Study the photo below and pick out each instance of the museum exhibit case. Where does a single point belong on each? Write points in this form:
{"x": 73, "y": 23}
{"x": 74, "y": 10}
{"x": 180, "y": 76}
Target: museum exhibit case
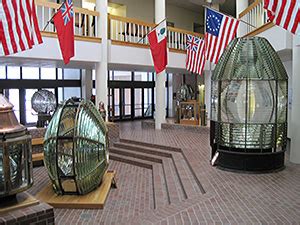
{"x": 76, "y": 148}
{"x": 249, "y": 107}
{"x": 15, "y": 153}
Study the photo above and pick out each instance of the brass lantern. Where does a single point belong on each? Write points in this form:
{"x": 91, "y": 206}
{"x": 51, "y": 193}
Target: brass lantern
{"x": 15, "y": 152}
{"x": 249, "y": 107}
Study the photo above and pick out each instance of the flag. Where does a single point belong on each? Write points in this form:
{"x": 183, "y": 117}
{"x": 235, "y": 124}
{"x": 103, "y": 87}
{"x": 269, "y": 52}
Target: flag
{"x": 64, "y": 23}
{"x": 158, "y": 46}
{"x": 19, "y": 29}
{"x": 220, "y": 30}
{"x": 195, "y": 54}
{"x": 285, "y": 13}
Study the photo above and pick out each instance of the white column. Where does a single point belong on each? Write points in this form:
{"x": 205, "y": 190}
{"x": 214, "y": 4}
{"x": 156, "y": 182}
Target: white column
{"x": 295, "y": 121}
{"x": 101, "y": 68}
{"x": 241, "y": 5}
{"x": 160, "y": 105}
{"x": 86, "y": 84}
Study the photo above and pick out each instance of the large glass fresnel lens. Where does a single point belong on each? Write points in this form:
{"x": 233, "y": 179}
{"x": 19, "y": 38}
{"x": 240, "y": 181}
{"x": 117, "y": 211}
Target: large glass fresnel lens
{"x": 249, "y": 107}
{"x": 15, "y": 152}
{"x": 76, "y": 148}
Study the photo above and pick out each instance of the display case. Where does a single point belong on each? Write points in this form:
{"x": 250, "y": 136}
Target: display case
{"x": 188, "y": 112}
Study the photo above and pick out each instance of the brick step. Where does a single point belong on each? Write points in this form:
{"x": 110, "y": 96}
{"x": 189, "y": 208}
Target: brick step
{"x": 187, "y": 180}
{"x": 130, "y": 160}
{"x": 144, "y": 149}
{"x": 151, "y": 145}
{"x": 135, "y": 155}
{"x": 160, "y": 189}
{"x": 175, "y": 188}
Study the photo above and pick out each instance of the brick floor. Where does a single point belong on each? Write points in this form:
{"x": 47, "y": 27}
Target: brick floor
{"x": 229, "y": 198}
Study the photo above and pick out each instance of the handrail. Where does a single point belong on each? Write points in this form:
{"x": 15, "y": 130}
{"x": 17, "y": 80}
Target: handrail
{"x": 53, "y": 5}
{"x": 130, "y": 20}
{"x": 255, "y": 17}
{"x": 249, "y": 8}
{"x": 128, "y": 31}
{"x": 85, "y": 21}
{"x": 174, "y": 29}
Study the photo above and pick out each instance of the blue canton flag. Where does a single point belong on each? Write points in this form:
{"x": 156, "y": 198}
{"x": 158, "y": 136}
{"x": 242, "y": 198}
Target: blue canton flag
{"x": 195, "y": 59}
{"x": 220, "y": 30}
{"x": 67, "y": 11}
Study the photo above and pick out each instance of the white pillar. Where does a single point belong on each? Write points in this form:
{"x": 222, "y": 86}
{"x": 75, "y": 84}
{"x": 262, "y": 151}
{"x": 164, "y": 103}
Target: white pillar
{"x": 86, "y": 84}
{"x": 101, "y": 68}
{"x": 160, "y": 105}
{"x": 241, "y": 5}
{"x": 295, "y": 122}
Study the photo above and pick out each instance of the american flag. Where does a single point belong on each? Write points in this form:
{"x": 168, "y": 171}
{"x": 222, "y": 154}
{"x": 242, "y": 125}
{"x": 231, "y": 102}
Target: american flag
{"x": 19, "y": 28}
{"x": 220, "y": 30}
{"x": 284, "y": 13}
{"x": 195, "y": 49}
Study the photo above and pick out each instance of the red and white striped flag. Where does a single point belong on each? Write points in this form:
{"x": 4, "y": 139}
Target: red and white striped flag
{"x": 195, "y": 54}
{"x": 19, "y": 28}
{"x": 220, "y": 30}
{"x": 284, "y": 13}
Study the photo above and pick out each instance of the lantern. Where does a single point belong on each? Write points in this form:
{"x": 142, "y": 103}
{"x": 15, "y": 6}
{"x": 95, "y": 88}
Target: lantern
{"x": 76, "y": 148}
{"x": 15, "y": 152}
{"x": 249, "y": 107}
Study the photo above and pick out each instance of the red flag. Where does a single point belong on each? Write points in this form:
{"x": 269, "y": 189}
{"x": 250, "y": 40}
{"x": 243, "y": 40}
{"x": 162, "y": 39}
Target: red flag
{"x": 158, "y": 46}
{"x": 64, "y": 23}
{"x": 195, "y": 54}
{"x": 19, "y": 29}
{"x": 284, "y": 13}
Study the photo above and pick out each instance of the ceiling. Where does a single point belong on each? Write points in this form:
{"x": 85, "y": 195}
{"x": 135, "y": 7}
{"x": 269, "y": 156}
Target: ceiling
{"x": 227, "y": 6}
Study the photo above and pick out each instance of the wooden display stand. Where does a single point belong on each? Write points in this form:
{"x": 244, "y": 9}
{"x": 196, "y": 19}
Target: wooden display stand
{"x": 184, "y": 116}
{"x": 22, "y": 200}
{"x": 93, "y": 200}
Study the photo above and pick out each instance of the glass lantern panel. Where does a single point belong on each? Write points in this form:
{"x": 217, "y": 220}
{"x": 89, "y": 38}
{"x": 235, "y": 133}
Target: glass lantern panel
{"x": 15, "y": 163}
{"x": 282, "y": 100}
{"x": 261, "y": 99}
{"x": 1, "y": 170}
{"x": 233, "y": 101}
{"x": 214, "y": 101}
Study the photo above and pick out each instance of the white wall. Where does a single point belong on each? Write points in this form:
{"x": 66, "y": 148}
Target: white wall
{"x": 144, "y": 10}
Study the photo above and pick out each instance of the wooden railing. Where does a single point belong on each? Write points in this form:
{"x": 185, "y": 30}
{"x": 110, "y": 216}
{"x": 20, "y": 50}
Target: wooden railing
{"x": 127, "y": 31}
{"x": 85, "y": 21}
{"x": 256, "y": 17}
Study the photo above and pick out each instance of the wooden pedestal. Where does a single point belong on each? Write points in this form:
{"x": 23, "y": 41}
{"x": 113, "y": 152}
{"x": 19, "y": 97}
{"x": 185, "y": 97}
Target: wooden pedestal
{"x": 93, "y": 200}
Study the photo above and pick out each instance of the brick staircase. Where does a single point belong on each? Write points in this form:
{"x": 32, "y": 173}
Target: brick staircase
{"x": 173, "y": 179}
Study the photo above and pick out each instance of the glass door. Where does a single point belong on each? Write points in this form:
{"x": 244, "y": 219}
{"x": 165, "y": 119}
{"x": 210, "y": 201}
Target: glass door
{"x": 125, "y": 96}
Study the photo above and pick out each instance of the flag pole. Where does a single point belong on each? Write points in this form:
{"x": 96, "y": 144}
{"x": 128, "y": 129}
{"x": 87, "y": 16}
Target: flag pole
{"x": 151, "y": 30}
{"x": 50, "y": 20}
{"x": 229, "y": 16}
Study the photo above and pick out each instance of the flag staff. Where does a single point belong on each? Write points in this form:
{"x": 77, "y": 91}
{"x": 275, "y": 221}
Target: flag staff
{"x": 152, "y": 30}
{"x": 52, "y": 17}
{"x": 229, "y": 16}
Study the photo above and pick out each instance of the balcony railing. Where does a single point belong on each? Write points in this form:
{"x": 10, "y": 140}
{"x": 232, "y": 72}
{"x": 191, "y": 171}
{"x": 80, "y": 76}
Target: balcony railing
{"x": 256, "y": 17}
{"x": 129, "y": 31}
{"x": 85, "y": 21}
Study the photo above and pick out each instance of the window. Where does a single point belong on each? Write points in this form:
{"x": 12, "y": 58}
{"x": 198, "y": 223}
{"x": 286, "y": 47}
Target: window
{"x": 142, "y": 76}
{"x": 48, "y": 73}
{"x": 59, "y": 74}
{"x": 30, "y": 73}
{"x": 71, "y": 74}
{"x": 122, "y": 75}
{"x": 13, "y": 72}
{"x": 31, "y": 115}
{"x": 2, "y": 72}
{"x": 72, "y": 92}
{"x": 13, "y": 97}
